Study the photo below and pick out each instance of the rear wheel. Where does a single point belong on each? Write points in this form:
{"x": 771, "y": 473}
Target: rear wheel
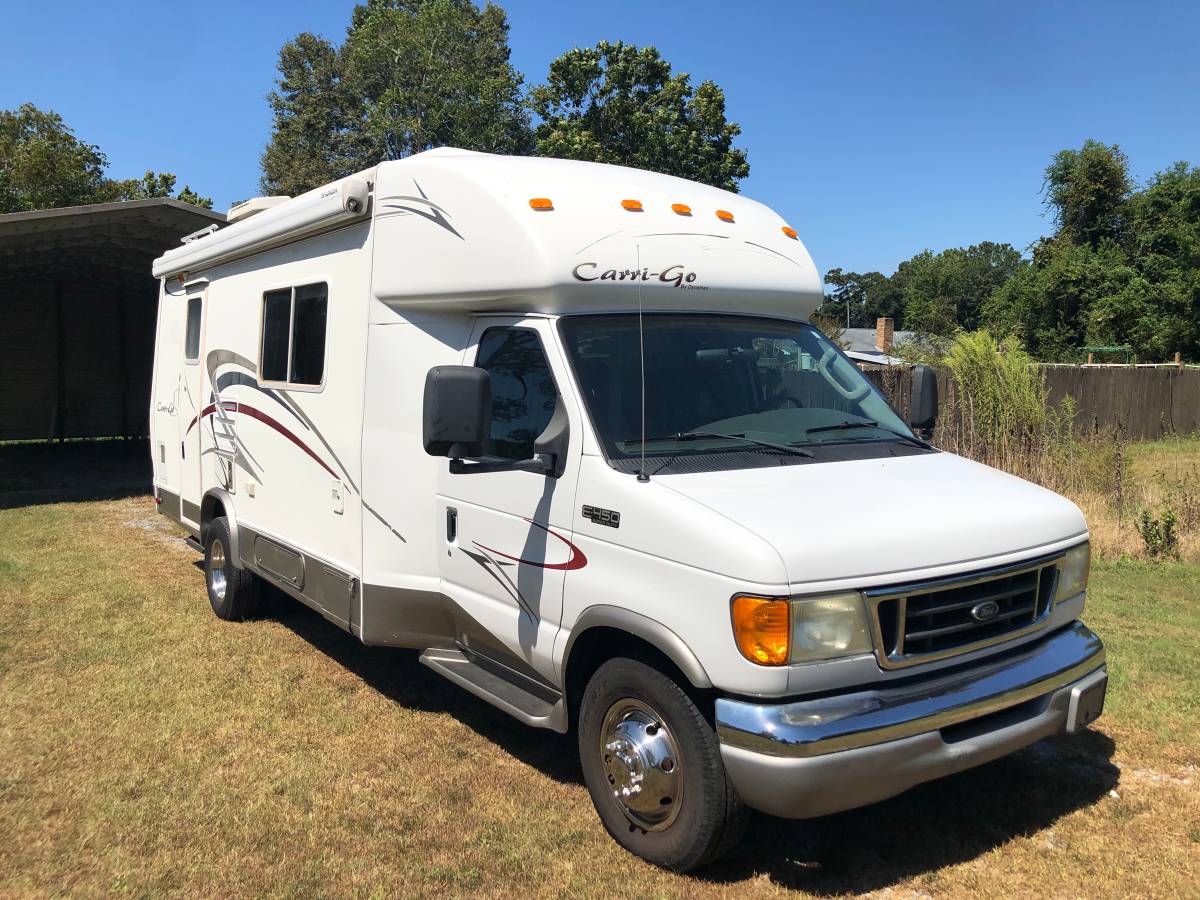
{"x": 233, "y": 593}
{"x": 652, "y": 765}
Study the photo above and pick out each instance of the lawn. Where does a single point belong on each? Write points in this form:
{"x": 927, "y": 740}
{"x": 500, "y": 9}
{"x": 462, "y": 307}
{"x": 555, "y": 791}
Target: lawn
{"x": 148, "y": 748}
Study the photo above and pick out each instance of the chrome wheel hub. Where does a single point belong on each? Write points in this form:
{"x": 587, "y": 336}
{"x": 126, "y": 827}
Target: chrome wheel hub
{"x": 216, "y": 568}
{"x": 642, "y": 764}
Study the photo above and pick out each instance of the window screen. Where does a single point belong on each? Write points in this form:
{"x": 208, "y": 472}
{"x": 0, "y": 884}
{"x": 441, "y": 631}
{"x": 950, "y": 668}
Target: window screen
{"x": 523, "y": 391}
{"x": 191, "y": 349}
{"x": 293, "y": 335}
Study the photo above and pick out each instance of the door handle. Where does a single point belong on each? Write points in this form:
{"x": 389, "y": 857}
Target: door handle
{"x": 451, "y": 525}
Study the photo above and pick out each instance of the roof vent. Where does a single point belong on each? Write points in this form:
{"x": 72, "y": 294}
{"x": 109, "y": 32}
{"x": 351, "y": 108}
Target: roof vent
{"x": 248, "y": 208}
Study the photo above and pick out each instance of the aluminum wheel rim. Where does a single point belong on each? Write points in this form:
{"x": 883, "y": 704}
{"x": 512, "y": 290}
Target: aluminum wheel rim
{"x": 216, "y": 568}
{"x": 642, "y": 763}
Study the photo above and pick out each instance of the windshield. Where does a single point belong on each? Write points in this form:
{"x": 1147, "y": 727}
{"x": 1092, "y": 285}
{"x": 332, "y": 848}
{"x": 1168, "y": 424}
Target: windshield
{"x": 716, "y": 383}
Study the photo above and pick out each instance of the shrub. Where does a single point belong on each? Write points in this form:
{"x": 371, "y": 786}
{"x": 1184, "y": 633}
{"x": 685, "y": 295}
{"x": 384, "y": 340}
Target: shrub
{"x": 1158, "y": 532}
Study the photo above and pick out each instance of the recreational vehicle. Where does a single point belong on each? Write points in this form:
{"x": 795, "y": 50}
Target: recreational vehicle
{"x": 564, "y": 429}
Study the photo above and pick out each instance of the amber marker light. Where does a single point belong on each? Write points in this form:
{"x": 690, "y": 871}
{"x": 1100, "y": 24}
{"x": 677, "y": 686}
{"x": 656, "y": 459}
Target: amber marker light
{"x": 762, "y": 628}
{"x": 724, "y": 215}
{"x": 790, "y": 232}
{"x": 632, "y": 205}
{"x": 682, "y": 208}
{"x": 541, "y": 203}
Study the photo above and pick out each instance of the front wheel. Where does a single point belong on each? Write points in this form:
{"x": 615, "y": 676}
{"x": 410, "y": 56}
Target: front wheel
{"x": 652, "y": 765}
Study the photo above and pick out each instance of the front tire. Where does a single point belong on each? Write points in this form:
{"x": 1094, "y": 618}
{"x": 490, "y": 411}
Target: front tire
{"x": 233, "y": 593}
{"x": 652, "y": 764}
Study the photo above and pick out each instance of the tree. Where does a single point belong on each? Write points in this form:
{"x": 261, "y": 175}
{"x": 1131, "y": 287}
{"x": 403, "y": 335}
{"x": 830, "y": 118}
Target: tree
{"x": 43, "y": 165}
{"x": 152, "y": 185}
{"x": 314, "y": 139}
{"x": 411, "y": 75}
{"x": 947, "y": 291}
{"x": 618, "y": 103}
{"x": 1087, "y": 190}
{"x": 869, "y": 296}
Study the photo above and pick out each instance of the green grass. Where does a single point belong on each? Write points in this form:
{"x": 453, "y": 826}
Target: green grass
{"x": 147, "y": 748}
{"x": 1149, "y": 616}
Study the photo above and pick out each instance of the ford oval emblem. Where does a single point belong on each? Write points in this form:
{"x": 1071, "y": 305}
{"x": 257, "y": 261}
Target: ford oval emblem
{"x": 985, "y": 611}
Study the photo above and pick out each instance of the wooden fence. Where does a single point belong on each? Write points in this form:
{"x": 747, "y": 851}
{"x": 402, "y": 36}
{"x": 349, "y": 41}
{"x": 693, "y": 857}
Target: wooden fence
{"x": 1146, "y": 402}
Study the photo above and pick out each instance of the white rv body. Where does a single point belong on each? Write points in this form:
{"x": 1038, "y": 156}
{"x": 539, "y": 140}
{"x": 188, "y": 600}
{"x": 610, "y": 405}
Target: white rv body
{"x": 499, "y": 577}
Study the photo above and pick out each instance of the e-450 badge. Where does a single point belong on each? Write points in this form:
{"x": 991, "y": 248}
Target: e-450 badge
{"x": 609, "y": 517}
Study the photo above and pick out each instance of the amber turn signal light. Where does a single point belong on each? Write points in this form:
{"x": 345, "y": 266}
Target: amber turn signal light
{"x": 762, "y": 628}
{"x": 682, "y": 208}
{"x": 541, "y": 203}
{"x": 790, "y": 232}
{"x": 632, "y": 205}
{"x": 724, "y": 215}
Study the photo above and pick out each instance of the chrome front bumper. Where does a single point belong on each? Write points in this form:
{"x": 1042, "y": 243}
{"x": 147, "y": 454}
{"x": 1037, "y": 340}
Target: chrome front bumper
{"x": 814, "y": 757}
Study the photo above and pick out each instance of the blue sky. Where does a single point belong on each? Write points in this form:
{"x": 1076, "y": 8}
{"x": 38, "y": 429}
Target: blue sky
{"x": 877, "y": 129}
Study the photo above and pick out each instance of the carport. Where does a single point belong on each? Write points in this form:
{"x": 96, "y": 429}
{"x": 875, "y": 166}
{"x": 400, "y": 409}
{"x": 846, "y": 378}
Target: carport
{"x": 77, "y": 315}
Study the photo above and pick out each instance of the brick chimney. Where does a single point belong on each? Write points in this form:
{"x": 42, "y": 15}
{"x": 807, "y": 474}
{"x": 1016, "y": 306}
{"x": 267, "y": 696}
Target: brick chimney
{"x": 884, "y": 329}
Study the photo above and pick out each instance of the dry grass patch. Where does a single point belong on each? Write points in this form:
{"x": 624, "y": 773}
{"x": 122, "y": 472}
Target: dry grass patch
{"x": 148, "y": 748}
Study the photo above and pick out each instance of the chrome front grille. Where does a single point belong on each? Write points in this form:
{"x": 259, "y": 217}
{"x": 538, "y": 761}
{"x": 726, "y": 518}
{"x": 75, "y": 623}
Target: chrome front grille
{"x": 920, "y": 621}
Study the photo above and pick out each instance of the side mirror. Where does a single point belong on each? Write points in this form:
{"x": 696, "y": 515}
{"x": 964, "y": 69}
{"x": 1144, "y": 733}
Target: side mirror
{"x": 923, "y": 408}
{"x": 458, "y": 411}
{"x": 458, "y": 424}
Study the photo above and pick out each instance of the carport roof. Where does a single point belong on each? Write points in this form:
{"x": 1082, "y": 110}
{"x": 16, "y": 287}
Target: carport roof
{"x": 111, "y": 242}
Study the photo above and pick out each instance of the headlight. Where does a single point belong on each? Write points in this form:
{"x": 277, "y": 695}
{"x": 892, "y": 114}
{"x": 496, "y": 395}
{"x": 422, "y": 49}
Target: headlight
{"x": 1073, "y": 572}
{"x": 774, "y": 631}
{"x": 829, "y": 626}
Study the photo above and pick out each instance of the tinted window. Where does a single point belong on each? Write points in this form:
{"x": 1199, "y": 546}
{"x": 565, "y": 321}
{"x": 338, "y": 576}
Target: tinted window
{"x": 277, "y": 316}
{"x": 191, "y": 348}
{"x": 293, "y": 336}
{"x": 734, "y": 376}
{"x": 523, "y": 392}
{"x": 308, "y": 334}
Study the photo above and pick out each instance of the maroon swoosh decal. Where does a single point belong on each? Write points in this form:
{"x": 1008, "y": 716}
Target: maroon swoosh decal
{"x": 576, "y": 560}
{"x": 270, "y": 423}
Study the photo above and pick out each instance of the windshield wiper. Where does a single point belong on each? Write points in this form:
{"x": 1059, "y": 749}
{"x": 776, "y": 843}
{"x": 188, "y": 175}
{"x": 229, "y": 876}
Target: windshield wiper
{"x": 841, "y": 426}
{"x": 735, "y": 436}
{"x": 867, "y": 423}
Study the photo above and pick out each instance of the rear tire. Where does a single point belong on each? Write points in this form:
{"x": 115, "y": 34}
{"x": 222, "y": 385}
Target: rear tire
{"x": 233, "y": 593}
{"x": 652, "y": 764}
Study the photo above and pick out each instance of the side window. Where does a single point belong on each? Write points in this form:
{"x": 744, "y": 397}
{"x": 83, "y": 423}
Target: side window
{"x": 191, "y": 343}
{"x": 293, "y": 334}
{"x": 523, "y": 391}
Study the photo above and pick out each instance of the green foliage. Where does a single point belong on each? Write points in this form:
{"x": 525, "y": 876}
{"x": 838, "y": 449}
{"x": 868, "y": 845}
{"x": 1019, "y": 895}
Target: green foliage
{"x": 947, "y": 291}
{"x": 1002, "y": 394}
{"x": 435, "y": 73}
{"x": 935, "y": 294}
{"x": 1123, "y": 267}
{"x": 1087, "y": 190}
{"x": 411, "y": 75}
{"x": 43, "y": 165}
{"x": 314, "y": 140}
{"x": 152, "y": 185}
{"x": 869, "y": 296}
{"x": 618, "y": 103}
{"x": 1159, "y": 532}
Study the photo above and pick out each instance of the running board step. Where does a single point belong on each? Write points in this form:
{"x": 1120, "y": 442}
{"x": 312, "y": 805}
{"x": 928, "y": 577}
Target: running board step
{"x": 497, "y": 690}
{"x": 194, "y": 544}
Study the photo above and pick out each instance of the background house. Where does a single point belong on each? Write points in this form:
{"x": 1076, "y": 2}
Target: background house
{"x": 873, "y": 345}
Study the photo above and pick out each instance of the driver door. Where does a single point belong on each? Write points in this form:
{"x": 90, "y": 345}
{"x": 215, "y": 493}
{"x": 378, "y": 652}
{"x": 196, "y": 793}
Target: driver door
{"x": 507, "y": 535}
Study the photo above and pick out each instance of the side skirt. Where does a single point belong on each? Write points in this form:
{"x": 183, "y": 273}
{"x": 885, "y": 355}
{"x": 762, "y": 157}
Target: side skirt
{"x": 314, "y": 582}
